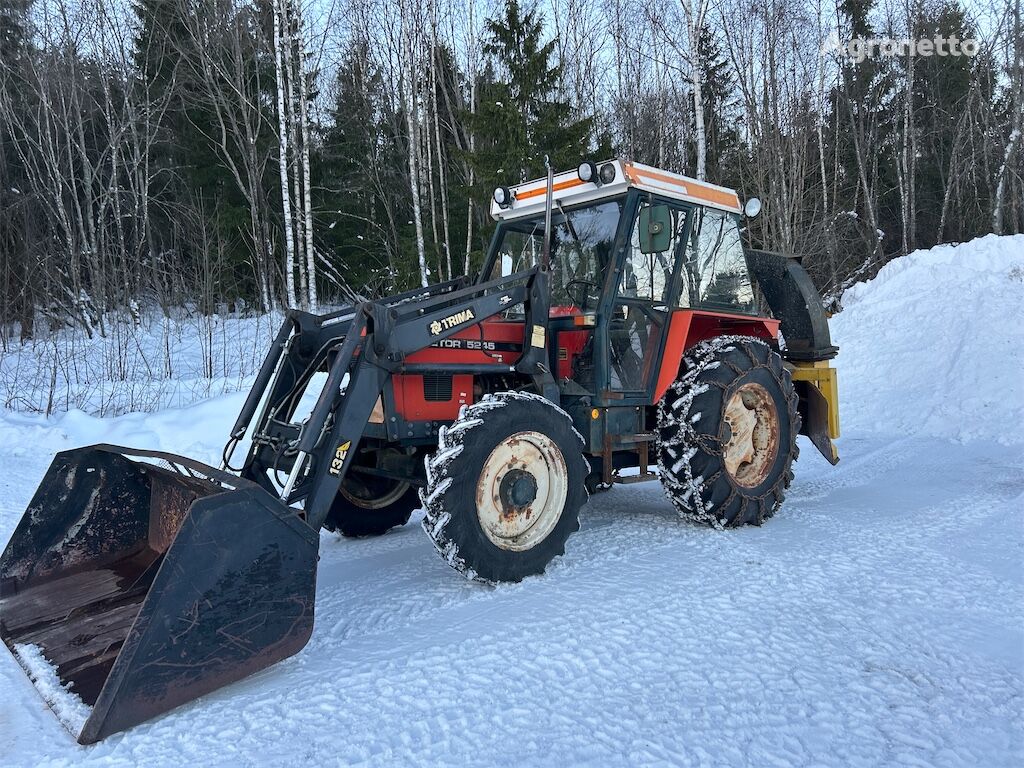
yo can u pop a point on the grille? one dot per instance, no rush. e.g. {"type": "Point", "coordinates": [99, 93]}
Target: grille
{"type": "Point", "coordinates": [437, 387]}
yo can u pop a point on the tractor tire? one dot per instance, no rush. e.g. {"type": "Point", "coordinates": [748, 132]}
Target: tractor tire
{"type": "Point", "coordinates": [371, 506]}
{"type": "Point", "coordinates": [494, 465]}
{"type": "Point", "coordinates": [727, 433]}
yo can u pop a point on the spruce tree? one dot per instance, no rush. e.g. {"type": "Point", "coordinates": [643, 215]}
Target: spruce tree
{"type": "Point", "coordinates": [944, 87]}
{"type": "Point", "coordinates": [188, 172]}
{"type": "Point", "coordinates": [15, 204]}
{"type": "Point", "coordinates": [519, 119]}
{"type": "Point", "coordinates": [353, 225]}
{"type": "Point", "coordinates": [718, 89]}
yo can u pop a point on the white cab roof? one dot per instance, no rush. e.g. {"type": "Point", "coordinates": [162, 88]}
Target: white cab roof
{"type": "Point", "coordinates": [528, 199]}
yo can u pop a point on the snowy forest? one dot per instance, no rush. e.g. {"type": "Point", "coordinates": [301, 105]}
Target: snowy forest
{"type": "Point", "coordinates": [163, 160]}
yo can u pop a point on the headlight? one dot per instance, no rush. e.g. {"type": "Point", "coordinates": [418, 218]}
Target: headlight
{"type": "Point", "coordinates": [608, 173]}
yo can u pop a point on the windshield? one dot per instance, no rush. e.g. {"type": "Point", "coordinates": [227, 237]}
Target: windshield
{"type": "Point", "coordinates": [581, 249]}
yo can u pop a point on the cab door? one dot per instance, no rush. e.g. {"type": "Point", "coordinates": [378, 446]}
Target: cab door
{"type": "Point", "coordinates": [644, 296]}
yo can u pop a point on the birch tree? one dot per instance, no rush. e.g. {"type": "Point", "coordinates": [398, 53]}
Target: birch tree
{"type": "Point", "coordinates": [1009, 164]}
{"type": "Point", "coordinates": [282, 41]}
{"type": "Point", "coordinates": [690, 15]}
{"type": "Point", "coordinates": [407, 85]}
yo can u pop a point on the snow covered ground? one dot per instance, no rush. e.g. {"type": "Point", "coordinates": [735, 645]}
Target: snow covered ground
{"type": "Point", "coordinates": [878, 619]}
{"type": "Point", "coordinates": [141, 364]}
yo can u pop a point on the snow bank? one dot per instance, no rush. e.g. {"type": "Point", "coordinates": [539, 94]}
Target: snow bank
{"type": "Point", "coordinates": [198, 431]}
{"type": "Point", "coordinates": [934, 344]}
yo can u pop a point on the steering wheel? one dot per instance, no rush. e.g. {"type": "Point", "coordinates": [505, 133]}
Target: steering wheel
{"type": "Point", "coordinates": [587, 284]}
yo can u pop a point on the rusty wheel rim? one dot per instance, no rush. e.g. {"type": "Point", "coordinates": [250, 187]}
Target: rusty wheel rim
{"type": "Point", "coordinates": [753, 422]}
{"type": "Point", "coordinates": [371, 501]}
{"type": "Point", "coordinates": [522, 491]}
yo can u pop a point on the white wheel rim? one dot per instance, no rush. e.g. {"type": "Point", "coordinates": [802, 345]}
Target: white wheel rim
{"type": "Point", "coordinates": [521, 527]}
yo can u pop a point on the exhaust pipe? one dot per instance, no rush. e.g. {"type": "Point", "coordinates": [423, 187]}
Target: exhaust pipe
{"type": "Point", "coordinates": [130, 588]}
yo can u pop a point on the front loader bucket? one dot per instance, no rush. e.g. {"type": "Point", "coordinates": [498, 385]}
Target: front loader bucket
{"type": "Point", "coordinates": [129, 588]}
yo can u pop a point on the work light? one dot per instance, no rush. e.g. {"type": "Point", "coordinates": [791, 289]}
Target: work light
{"type": "Point", "coordinates": [587, 172]}
{"type": "Point", "coordinates": [503, 197]}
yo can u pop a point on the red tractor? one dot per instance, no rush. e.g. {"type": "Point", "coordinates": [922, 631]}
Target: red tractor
{"type": "Point", "coordinates": [618, 323]}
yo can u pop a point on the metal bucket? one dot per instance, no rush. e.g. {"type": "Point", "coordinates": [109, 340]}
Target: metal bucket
{"type": "Point", "coordinates": [131, 587]}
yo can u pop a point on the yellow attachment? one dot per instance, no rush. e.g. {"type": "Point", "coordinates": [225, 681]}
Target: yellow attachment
{"type": "Point", "coordinates": [822, 376]}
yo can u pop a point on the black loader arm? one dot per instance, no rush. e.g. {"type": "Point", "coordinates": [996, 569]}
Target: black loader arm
{"type": "Point", "coordinates": [362, 348]}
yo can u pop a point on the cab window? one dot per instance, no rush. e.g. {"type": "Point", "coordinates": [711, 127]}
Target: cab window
{"type": "Point", "coordinates": [581, 249]}
{"type": "Point", "coordinates": [715, 272]}
{"type": "Point", "coordinates": [648, 276]}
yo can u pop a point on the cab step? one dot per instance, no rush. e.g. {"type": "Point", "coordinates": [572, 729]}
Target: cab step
{"type": "Point", "coordinates": [639, 443]}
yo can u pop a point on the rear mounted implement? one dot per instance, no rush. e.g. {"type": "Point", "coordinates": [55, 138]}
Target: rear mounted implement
{"type": "Point", "coordinates": [144, 586]}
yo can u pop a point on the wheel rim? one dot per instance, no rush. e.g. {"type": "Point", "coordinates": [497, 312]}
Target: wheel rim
{"type": "Point", "coordinates": [522, 491]}
{"type": "Point", "coordinates": [369, 492]}
{"type": "Point", "coordinates": [753, 422]}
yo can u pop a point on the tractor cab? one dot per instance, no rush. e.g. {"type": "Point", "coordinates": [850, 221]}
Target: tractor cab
{"type": "Point", "coordinates": [637, 255]}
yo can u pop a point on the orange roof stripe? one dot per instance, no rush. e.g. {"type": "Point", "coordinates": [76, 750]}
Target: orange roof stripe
{"type": "Point", "coordinates": [567, 184]}
{"type": "Point", "coordinates": [687, 187]}
{"type": "Point", "coordinates": [716, 196]}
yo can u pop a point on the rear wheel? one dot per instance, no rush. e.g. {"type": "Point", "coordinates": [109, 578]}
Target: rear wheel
{"type": "Point", "coordinates": [369, 505]}
{"type": "Point", "coordinates": [505, 487]}
{"type": "Point", "coordinates": [727, 433]}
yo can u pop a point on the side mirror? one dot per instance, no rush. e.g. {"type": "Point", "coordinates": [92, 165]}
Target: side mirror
{"type": "Point", "coordinates": [655, 229]}
{"type": "Point", "coordinates": [752, 208]}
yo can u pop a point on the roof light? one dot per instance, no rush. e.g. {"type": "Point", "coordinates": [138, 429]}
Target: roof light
{"type": "Point", "coordinates": [752, 208]}
{"type": "Point", "coordinates": [587, 172]}
{"type": "Point", "coordinates": [607, 173]}
{"type": "Point", "coordinates": [503, 197]}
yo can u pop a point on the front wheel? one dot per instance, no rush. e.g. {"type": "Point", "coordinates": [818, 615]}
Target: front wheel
{"type": "Point", "coordinates": [505, 487]}
{"type": "Point", "coordinates": [727, 433]}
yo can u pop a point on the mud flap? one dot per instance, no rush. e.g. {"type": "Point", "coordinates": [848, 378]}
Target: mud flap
{"type": "Point", "coordinates": [815, 421]}
{"type": "Point", "coordinates": [130, 588]}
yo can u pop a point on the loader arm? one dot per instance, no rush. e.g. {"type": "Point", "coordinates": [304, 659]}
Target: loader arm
{"type": "Point", "coordinates": [364, 347]}
{"type": "Point", "coordinates": [335, 324]}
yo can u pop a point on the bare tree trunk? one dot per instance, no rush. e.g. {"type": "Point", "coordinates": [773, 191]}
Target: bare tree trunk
{"type": "Point", "coordinates": [311, 301]}
{"type": "Point", "coordinates": [408, 80]}
{"type": "Point", "coordinates": [471, 55]}
{"type": "Point", "coordinates": [908, 151]}
{"type": "Point", "coordinates": [694, 26]}
{"type": "Point", "coordinates": [442, 174]}
{"type": "Point", "coordinates": [281, 41]}
{"type": "Point", "coordinates": [292, 98]}
{"type": "Point", "coordinates": [1016, 125]}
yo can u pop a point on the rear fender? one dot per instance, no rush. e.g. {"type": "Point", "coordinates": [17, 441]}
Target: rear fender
{"type": "Point", "coordinates": [688, 327]}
